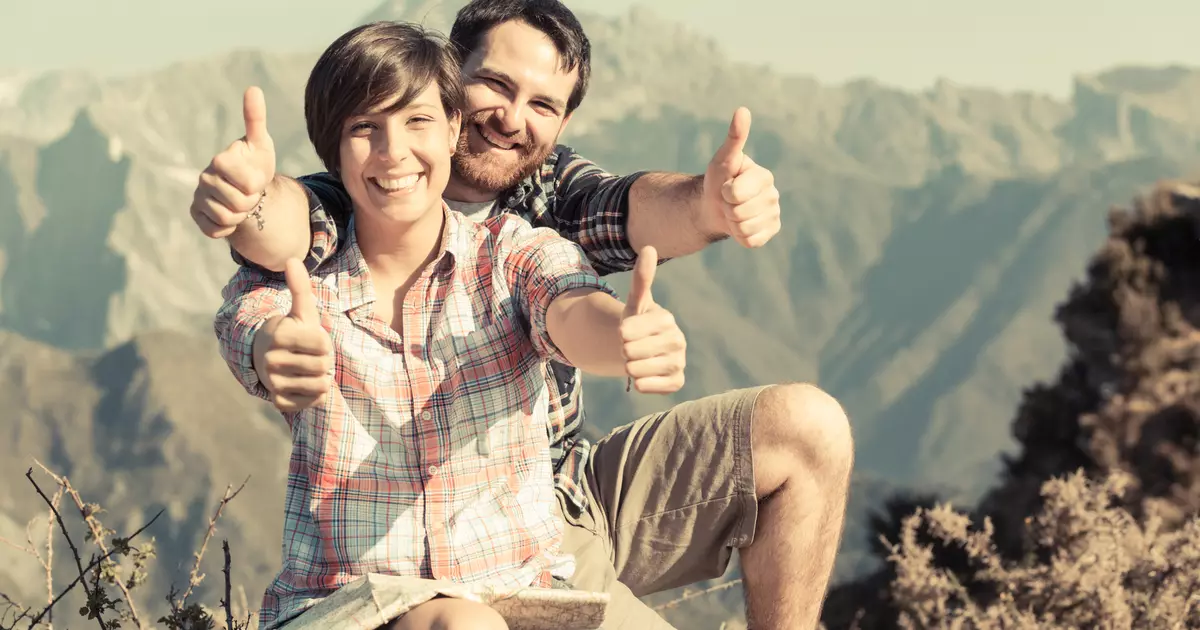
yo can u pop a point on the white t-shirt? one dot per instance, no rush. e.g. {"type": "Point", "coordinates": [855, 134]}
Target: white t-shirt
{"type": "Point", "coordinates": [475, 211]}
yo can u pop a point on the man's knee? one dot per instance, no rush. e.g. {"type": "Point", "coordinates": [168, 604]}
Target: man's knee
{"type": "Point", "coordinates": [802, 428]}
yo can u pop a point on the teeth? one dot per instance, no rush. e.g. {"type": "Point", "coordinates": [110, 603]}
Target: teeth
{"type": "Point", "coordinates": [398, 184]}
{"type": "Point", "coordinates": [496, 140]}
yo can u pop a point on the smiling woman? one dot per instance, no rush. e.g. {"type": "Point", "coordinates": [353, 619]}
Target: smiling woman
{"type": "Point", "coordinates": [412, 368]}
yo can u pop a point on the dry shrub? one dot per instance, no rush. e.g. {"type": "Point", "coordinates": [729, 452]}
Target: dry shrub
{"type": "Point", "coordinates": [1104, 569]}
{"type": "Point", "coordinates": [115, 570]}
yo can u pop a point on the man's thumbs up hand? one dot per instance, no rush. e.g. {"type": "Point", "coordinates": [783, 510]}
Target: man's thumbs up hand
{"type": "Point", "coordinates": [654, 346]}
{"type": "Point", "coordinates": [234, 182]}
{"type": "Point", "coordinates": [740, 198]}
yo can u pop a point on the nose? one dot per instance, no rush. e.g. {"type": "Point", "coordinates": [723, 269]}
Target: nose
{"type": "Point", "coordinates": [393, 144]}
{"type": "Point", "coordinates": [512, 117]}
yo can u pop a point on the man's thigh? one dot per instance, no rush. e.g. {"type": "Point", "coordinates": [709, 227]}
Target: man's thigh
{"type": "Point", "coordinates": [675, 491]}
{"type": "Point", "coordinates": [585, 539]}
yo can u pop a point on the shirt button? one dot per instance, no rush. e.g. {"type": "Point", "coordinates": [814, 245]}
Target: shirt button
{"type": "Point", "coordinates": [425, 415]}
{"type": "Point", "coordinates": [432, 470]}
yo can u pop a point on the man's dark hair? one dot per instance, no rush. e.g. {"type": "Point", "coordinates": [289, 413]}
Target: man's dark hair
{"type": "Point", "coordinates": [551, 17]}
{"type": "Point", "coordinates": [371, 66]}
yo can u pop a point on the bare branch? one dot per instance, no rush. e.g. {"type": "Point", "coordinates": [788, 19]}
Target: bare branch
{"type": "Point", "coordinates": [48, 565]}
{"type": "Point", "coordinates": [689, 596]}
{"type": "Point", "coordinates": [71, 543]}
{"type": "Point", "coordinates": [83, 572]}
{"type": "Point", "coordinates": [97, 534]}
{"type": "Point", "coordinates": [228, 588]}
{"type": "Point", "coordinates": [195, 577]}
{"type": "Point", "coordinates": [19, 612]}
{"type": "Point", "coordinates": [28, 550]}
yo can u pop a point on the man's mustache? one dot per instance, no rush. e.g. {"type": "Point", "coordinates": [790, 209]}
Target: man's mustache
{"type": "Point", "coordinates": [484, 119]}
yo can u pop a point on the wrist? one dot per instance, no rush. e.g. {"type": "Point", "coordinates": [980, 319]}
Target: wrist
{"type": "Point", "coordinates": [710, 223]}
{"type": "Point", "coordinates": [708, 220]}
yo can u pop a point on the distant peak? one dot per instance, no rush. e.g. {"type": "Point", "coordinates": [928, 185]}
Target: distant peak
{"type": "Point", "coordinates": [1140, 79]}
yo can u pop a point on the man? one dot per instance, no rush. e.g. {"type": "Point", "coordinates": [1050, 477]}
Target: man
{"type": "Point", "coordinates": [663, 501]}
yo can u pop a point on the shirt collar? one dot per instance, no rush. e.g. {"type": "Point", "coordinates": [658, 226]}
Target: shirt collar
{"type": "Point", "coordinates": [351, 280]}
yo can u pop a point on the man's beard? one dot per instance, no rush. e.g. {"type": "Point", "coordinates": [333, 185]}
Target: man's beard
{"type": "Point", "coordinates": [486, 172]}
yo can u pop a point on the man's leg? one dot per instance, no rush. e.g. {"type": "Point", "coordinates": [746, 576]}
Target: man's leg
{"type": "Point", "coordinates": [803, 455]}
{"type": "Point", "coordinates": [765, 470]}
{"type": "Point", "coordinates": [586, 538]}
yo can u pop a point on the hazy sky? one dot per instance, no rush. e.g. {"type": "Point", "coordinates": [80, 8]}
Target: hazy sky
{"type": "Point", "coordinates": [1009, 44]}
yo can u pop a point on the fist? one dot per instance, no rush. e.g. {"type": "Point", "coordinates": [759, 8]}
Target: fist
{"type": "Point", "coordinates": [233, 184]}
{"type": "Point", "coordinates": [654, 347]}
{"type": "Point", "coordinates": [293, 354]}
{"type": "Point", "coordinates": [740, 197]}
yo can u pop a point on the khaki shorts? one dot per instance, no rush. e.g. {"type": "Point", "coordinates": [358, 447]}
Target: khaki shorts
{"type": "Point", "coordinates": [669, 498]}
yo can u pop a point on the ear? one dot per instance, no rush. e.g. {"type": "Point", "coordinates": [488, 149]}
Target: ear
{"type": "Point", "coordinates": [455, 120]}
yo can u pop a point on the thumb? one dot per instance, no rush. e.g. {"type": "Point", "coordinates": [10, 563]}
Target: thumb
{"type": "Point", "coordinates": [254, 111]}
{"type": "Point", "coordinates": [304, 303]}
{"type": "Point", "coordinates": [729, 156]}
{"type": "Point", "coordinates": [643, 276]}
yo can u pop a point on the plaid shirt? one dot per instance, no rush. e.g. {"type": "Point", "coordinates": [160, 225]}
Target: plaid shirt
{"type": "Point", "coordinates": [430, 458]}
{"type": "Point", "coordinates": [570, 195]}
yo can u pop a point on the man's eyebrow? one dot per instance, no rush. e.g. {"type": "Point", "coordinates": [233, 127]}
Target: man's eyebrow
{"type": "Point", "coordinates": [503, 76]}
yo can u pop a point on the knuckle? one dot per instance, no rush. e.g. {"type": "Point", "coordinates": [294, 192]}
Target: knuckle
{"type": "Point", "coordinates": [271, 359]}
{"type": "Point", "coordinates": [222, 163]}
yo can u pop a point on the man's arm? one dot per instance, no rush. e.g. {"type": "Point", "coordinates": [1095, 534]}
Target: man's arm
{"type": "Point", "coordinates": [678, 214]}
{"type": "Point", "coordinates": [278, 231]}
{"type": "Point", "coordinates": [267, 218]}
{"type": "Point", "coordinates": [301, 219]}
{"type": "Point", "coordinates": [666, 211]}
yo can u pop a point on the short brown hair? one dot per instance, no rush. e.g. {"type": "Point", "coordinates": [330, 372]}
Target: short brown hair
{"type": "Point", "coordinates": [372, 65]}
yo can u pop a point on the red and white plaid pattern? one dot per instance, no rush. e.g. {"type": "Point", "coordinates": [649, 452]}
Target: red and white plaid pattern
{"type": "Point", "coordinates": [430, 457]}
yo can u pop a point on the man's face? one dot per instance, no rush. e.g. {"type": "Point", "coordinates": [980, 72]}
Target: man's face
{"type": "Point", "coordinates": [516, 103]}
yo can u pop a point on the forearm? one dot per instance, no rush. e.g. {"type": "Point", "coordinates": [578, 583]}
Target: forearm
{"type": "Point", "coordinates": [585, 325]}
{"type": "Point", "coordinates": [283, 230]}
{"type": "Point", "coordinates": [665, 211]}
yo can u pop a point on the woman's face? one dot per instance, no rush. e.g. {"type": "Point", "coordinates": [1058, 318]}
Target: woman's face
{"type": "Point", "coordinates": [395, 163]}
